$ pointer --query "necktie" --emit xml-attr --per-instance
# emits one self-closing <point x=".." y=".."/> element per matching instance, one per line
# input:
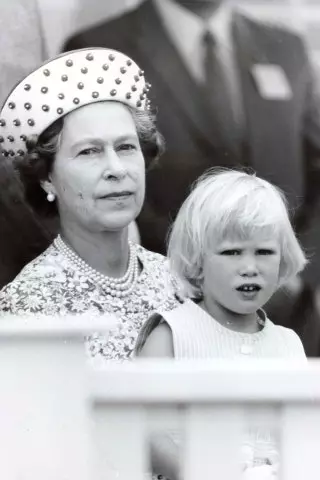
<point x="216" y="90"/>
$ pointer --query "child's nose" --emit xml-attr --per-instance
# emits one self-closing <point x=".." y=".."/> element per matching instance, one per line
<point x="249" y="267"/>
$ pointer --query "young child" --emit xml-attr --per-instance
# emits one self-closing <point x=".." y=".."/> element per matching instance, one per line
<point x="231" y="247"/>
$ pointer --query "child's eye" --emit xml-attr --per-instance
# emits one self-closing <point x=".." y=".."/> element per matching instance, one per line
<point x="265" y="251"/>
<point x="231" y="252"/>
<point x="89" y="151"/>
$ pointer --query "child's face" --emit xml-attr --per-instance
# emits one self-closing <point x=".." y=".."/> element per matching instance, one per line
<point x="241" y="275"/>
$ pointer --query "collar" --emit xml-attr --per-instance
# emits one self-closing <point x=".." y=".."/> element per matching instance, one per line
<point x="183" y="24"/>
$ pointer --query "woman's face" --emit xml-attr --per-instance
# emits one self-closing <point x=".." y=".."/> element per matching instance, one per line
<point x="98" y="175"/>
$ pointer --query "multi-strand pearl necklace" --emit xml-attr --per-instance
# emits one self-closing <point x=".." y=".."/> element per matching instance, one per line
<point x="116" y="287"/>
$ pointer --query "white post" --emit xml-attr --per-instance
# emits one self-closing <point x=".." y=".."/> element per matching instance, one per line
<point x="44" y="430"/>
<point x="300" y="441"/>
<point x="120" y="442"/>
<point x="213" y="437"/>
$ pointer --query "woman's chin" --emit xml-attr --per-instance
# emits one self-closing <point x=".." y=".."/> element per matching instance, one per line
<point x="118" y="222"/>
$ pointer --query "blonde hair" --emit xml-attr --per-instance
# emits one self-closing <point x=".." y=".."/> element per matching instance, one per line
<point x="223" y="204"/>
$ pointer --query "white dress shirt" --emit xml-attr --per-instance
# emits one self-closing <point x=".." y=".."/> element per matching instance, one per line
<point x="186" y="30"/>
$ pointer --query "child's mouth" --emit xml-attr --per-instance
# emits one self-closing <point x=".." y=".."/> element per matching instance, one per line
<point x="249" y="287"/>
<point x="249" y="290"/>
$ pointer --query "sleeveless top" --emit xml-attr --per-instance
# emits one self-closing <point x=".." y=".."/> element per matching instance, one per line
<point x="196" y="335"/>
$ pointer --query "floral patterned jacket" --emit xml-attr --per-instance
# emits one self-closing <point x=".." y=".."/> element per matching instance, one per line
<point x="52" y="285"/>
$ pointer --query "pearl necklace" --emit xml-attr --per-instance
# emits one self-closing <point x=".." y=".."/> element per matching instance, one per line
<point x="116" y="287"/>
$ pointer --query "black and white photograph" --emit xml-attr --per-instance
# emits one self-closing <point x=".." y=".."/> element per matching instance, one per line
<point x="159" y="239"/>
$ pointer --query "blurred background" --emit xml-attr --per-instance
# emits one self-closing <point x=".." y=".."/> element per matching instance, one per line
<point x="61" y="18"/>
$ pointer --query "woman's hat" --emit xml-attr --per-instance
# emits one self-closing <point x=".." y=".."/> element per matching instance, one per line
<point x="66" y="83"/>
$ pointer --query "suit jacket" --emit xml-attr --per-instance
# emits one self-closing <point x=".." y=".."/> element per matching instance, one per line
<point x="282" y="140"/>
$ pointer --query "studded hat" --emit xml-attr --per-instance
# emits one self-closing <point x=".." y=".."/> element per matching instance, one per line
<point x="64" y="83"/>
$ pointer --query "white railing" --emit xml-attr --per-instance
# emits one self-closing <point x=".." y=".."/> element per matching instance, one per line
<point x="213" y="398"/>
<point x="60" y="420"/>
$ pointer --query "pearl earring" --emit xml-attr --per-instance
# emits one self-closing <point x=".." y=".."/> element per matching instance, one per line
<point x="51" y="197"/>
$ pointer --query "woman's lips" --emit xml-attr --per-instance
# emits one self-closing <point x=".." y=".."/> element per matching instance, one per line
<point x="117" y="195"/>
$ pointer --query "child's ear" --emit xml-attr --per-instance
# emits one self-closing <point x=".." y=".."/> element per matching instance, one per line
<point x="200" y="277"/>
<point x="48" y="186"/>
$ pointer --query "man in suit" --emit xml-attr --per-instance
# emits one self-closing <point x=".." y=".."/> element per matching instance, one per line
<point x="265" y="114"/>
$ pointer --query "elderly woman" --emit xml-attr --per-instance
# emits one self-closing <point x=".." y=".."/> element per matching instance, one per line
<point x="82" y="128"/>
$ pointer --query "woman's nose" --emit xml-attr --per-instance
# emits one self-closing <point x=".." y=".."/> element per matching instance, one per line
<point x="114" y="166"/>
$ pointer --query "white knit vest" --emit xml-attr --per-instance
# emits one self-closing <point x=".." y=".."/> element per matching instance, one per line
<point x="196" y="335"/>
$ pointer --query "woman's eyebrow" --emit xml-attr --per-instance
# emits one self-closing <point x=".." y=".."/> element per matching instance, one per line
<point x="83" y="141"/>
<point x="130" y="136"/>
<point x="96" y="141"/>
